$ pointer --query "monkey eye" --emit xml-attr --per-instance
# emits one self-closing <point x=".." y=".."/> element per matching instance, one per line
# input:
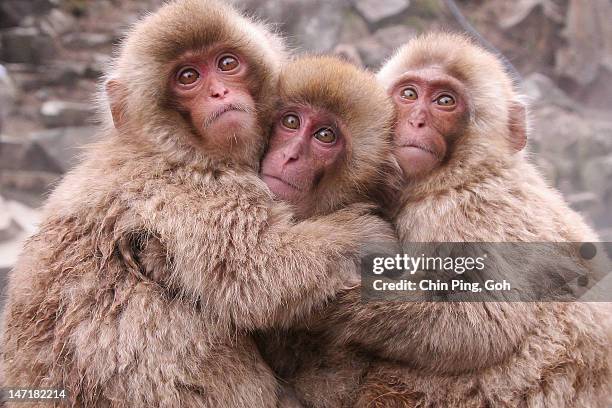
<point x="409" y="93"/>
<point x="291" y="121"/>
<point x="445" y="100"/>
<point x="188" y="76"/>
<point x="228" y="63"/>
<point x="325" y="135"/>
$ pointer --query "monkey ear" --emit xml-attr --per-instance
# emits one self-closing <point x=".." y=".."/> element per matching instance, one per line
<point x="117" y="98"/>
<point x="517" y="126"/>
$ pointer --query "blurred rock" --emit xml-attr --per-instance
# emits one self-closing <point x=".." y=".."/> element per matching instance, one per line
<point x="540" y="89"/>
<point x="57" y="22"/>
<point x="349" y="53"/>
<point x="585" y="202"/>
<point x="62" y="113"/>
<point x="8" y="92"/>
<point x="25" y="155"/>
<point x="597" y="174"/>
<point x="88" y="40"/>
<point x="372" y="53"/>
<point x="8" y="227"/>
<point x="311" y="24"/>
<point x="394" y="36"/>
<point x="25" y="220"/>
<point x="374" y="11"/>
<point x="13" y="11"/>
<point x="587" y="41"/>
<point x="514" y="13"/>
<point x="26" y="44"/>
<point x="64" y="145"/>
<point x="354" y="28"/>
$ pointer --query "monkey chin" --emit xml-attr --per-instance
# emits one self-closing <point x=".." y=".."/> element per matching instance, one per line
<point x="231" y="128"/>
<point x="415" y="161"/>
<point x="282" y="190"/>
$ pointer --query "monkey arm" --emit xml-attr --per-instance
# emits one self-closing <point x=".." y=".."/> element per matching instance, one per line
<point x="247" y="263"/>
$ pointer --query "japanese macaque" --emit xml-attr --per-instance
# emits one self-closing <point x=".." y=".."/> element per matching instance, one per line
<point x="331" y="140"/>
<point x="162" y="251"/>
<point x="330" y="147"/>
<point x="459" y="139"/>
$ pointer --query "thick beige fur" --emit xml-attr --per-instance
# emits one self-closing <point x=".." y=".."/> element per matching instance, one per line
<point x="365" y="170"/>
<point x="157" y="257"/>
<point x="554" y="355"/>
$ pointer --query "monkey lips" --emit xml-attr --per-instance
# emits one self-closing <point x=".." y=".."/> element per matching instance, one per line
<point x="281" y="188"/>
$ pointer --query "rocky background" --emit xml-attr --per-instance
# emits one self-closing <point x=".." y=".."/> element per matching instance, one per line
<point x="52" y="53"/>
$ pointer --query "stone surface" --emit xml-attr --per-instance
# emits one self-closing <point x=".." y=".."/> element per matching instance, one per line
<point x="542" y="90"/>
<point x="62" y="113"/>
<point x="88" y="40"/>
<point x="64" y="145"/>
<point x="394" y="36"/>
<point x="58" y="22"/>
<point x="588" y="45"/>
<point x="26" y="44"/>
<point x="374" y="11"/>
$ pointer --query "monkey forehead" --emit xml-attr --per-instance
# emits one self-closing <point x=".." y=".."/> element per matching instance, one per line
<point x="434" y="76"/>
<point x="482" y="73"/>
<point x="184" y="25"/>
<point x="340" y="87"/>
<point x="363" y="106"/>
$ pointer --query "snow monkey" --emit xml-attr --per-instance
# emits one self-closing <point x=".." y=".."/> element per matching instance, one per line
<point x="330" y="146"/>
<point x="458" y="139"/>
<point x="163" y="250"/>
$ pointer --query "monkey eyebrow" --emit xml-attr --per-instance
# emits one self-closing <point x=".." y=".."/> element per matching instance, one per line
<point x="445" y="81"/>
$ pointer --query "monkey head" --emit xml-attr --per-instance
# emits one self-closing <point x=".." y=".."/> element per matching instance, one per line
<point x="198" y="77"/>
<point x="331" y="137"/>
<point x="456" y="107"/>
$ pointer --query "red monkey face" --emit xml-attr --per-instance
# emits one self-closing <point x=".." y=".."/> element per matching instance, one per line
<point x="432" y="112"/>
<point x="305" y="144"/>
<point x="212" y="91"/>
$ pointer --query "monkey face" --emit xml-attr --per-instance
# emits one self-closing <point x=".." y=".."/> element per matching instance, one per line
<point x="212" y="90"/>
<point x="432" y="111"/>
<point x="306" y="143"/>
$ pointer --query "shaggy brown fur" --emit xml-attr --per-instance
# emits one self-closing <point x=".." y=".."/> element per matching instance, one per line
<point x="157" y="256"/>
<point x="365" y="171"/>
<point x="472" y="355"/>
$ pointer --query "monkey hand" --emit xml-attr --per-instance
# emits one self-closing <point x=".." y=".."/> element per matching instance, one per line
<point x="367" y="233"/>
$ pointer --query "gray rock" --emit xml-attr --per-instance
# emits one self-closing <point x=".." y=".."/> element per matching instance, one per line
<point x="348" y="52"/>
<point x="64" y="145"/>
<point x="374" y="11"/>
<point x="540" y="89"/>
<point x="354" y="28"/>
<point x="8" y="226"/>
<point x="88" y="40"/>
<point x="58" y="22"/>
<point x="585" y="202"/>
<point x="13" y="11"/>
<point x="597" y="174"/>
<point x="26" y="167"/>
<point x="587" y="41"/>
<point x="372" y="52"/>
<point x="25" y="155"/>
<point x="312" y="25"/>
<point x="395" y="36"/>
<point x="8" y="92"/>
<point x="26" y="44"/>
<point x="62" y="113"/>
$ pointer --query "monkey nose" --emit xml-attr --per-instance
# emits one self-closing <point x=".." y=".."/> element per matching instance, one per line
<point x="417" y="123"/>
<point x="217" y="90"/>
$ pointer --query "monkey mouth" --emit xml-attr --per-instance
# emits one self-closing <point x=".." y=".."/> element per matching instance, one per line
<point x="281" y="180"/>
<point x="425" y="149"/>
<point x="230" y="107"/>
